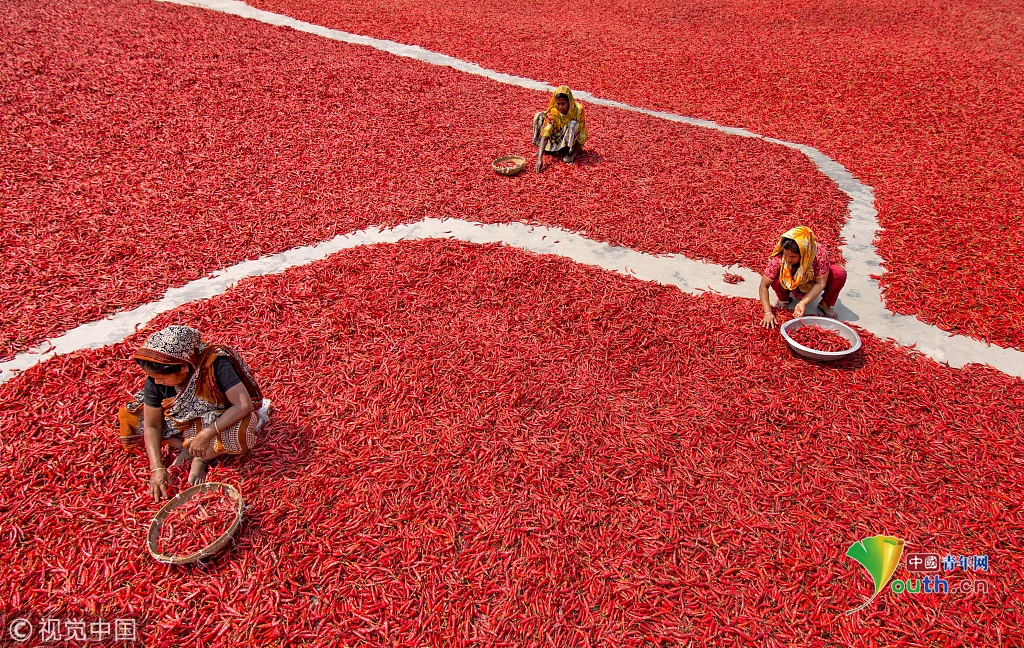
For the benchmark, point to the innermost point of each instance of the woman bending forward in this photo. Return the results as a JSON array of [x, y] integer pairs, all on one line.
[[799, 267], [198, 397]]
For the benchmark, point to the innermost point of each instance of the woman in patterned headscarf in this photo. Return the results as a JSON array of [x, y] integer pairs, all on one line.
[[561, 129], [799, 267], [198, 397]]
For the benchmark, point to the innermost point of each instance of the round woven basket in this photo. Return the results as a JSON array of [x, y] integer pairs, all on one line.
[[158, 522], [509, 165]]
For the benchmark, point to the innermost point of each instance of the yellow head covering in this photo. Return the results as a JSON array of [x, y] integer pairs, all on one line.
[[804, 277], [556, 121]]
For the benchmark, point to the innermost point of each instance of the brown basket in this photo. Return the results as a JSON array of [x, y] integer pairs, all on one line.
[[501, 169], [178, 500]]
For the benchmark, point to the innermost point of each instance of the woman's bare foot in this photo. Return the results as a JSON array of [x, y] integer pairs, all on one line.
[[198, 473], [827, 310], [182, 457]]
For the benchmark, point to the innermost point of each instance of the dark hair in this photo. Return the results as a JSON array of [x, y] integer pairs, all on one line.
[[791, 245], [160, 369], [562, 95]]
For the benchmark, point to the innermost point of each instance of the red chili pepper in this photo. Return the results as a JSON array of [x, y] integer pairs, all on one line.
[[621, 462], [196, 524], [820, 339]]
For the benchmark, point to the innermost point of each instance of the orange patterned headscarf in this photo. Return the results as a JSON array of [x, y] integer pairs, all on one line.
[[804, 277], [173, 345]]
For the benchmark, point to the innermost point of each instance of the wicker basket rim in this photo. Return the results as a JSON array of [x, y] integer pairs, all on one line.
[[154, 527], [510, 171]]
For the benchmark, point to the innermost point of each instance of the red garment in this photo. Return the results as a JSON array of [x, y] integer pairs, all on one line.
[[835, 282]]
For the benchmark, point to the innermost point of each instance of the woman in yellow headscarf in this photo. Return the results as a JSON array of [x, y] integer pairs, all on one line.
[[799, 267], [561, 129]]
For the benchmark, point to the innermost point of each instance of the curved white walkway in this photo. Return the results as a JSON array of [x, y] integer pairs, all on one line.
[[688, 275], [860, 303]]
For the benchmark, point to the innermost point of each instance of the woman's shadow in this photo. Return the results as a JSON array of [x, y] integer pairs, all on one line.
[[284, 452], [589, 158]]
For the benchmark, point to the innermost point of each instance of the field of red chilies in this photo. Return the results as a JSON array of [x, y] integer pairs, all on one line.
[[920, 99], [172, 142], [478, 446]]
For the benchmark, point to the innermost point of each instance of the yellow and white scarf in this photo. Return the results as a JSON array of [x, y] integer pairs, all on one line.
[[803, 280]]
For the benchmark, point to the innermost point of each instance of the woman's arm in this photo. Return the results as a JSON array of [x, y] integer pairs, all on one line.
[[152, 435], [816, 289], [241, 406], [540, 153], [768, 321]]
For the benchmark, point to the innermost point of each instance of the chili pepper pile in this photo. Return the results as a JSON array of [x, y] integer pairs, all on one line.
[[135, 129], [819, 339], [474, 445], [196, 524], [731, 278], [507, 164], [922, 102], [477, 445]]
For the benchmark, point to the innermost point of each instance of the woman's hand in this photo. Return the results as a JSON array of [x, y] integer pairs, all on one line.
[[800, 309], [159, 484], [202, 444], [768, 321]]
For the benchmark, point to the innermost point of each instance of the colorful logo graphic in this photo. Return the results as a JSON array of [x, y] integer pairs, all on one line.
[[880, 555]]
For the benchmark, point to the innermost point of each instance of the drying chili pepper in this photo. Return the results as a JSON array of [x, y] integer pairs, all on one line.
[[945, 188], [472, 444], [196, 524], [819, 339], [125, 160]]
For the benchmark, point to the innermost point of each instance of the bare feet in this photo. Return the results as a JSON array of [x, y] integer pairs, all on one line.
[[827, 310], [198, 473], [569, 159], [182, 457]]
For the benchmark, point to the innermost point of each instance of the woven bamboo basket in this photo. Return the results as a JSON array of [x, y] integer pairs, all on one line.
[[179, 500], [509, 165]]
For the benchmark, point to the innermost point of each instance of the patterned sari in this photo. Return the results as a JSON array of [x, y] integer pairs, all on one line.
[[201, 401]]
